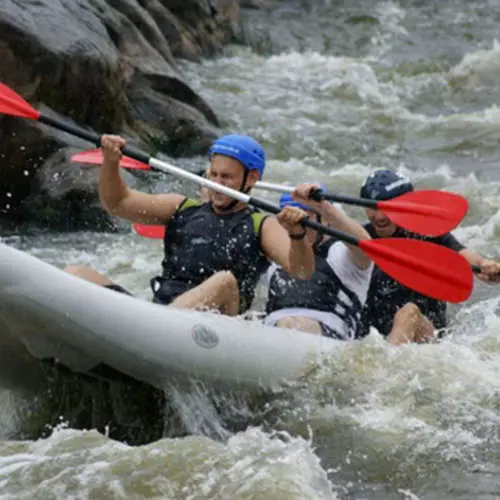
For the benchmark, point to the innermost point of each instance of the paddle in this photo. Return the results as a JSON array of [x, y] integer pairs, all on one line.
[[148, 231], [428, 212], [158, 232], [428, 268]]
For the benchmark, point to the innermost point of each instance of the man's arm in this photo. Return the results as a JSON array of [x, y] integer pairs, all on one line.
[[118, 199], [296, 257], [335, 218], [490, 269]]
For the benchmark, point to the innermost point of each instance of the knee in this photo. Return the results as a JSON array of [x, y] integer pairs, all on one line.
[[227, 279], [287, 322], [300, 323], [410, 311], [79, 271], [88, 274]]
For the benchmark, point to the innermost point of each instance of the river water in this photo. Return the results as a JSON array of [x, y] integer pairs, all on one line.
[[333, 90]]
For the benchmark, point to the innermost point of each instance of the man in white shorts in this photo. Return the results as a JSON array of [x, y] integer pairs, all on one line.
[[331, 301]]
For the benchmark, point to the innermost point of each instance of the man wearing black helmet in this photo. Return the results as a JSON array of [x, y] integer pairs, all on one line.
[[401, 314]]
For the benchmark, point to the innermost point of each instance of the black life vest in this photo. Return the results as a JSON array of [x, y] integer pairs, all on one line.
[[199, 243], [324, 291]]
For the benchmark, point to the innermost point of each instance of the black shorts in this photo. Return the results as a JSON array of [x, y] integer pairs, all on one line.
[[164, 291]]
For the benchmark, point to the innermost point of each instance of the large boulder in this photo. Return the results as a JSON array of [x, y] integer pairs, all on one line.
[[108, 65], [71, 190]]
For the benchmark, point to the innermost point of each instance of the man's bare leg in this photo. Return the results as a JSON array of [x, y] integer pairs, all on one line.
[[220, 292], [300, 323], [89, 274], [410, 325]]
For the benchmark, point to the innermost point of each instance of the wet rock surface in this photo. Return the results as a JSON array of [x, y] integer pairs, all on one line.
[[109, 65]]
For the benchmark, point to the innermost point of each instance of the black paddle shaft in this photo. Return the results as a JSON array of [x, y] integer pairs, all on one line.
[[274, 209], [318, 195], [90, 136], [94, 138]]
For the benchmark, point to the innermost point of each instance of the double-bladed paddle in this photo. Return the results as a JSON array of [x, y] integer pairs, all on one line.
[[428, 268], [149, 231], [428, 212]]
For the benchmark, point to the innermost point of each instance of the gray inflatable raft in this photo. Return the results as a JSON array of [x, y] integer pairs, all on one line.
[[55, 315]]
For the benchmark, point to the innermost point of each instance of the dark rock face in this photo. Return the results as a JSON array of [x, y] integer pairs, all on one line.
[[108, 65], [66, 189]]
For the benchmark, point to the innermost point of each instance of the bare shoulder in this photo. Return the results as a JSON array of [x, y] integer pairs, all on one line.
[[167, 204], [174, 199], [149, 208], [270, 226]]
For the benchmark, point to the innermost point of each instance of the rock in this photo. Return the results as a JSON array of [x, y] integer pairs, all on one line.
[[255, 4], [62, 190], [108, 65]]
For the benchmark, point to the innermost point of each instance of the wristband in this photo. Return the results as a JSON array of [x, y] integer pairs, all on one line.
[[298, 236]]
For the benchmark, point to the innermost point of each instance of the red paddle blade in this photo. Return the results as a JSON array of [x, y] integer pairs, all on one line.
[[427, 268], [154, 232], [13, 104], [429, 212], [95, 157]]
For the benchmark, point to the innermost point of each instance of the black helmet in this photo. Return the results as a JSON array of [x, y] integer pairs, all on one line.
[[385, 185]]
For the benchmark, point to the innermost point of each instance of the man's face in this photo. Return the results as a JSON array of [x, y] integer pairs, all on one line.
[[228, 172], [383, 226]]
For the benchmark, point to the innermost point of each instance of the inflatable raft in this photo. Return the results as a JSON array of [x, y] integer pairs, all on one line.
[[54, 315]]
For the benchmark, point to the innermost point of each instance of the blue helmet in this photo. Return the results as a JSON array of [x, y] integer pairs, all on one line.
[[286, 200], [385, 185], [242, 148]]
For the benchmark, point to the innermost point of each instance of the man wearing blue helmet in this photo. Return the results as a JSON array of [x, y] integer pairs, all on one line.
[[331, 301], [215, 251], [401, 314]]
